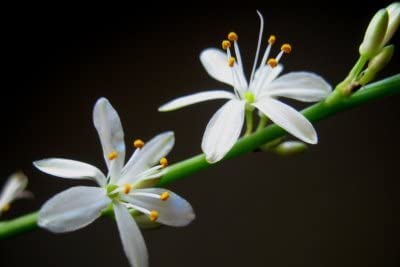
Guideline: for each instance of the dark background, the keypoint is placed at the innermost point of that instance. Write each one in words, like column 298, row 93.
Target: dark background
column 336, row 205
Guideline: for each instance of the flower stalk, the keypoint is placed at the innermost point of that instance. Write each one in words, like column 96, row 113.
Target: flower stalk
column 185, row 168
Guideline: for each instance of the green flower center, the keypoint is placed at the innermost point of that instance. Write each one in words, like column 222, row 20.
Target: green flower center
column 249, row 97
column 110, row 188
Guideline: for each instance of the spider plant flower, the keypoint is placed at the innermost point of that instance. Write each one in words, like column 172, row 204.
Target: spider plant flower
column 260, row 92
column 123, row 187
column 13, row 189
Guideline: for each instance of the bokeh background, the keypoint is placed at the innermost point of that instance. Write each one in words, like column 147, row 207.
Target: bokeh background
column 336, row 205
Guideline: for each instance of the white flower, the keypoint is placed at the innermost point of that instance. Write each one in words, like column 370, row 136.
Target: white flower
column 261, row 92
column 13, row 190
column 122, row 187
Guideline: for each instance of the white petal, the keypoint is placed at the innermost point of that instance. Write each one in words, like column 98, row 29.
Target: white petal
column 288, row 118
column 215, row 62
column 109, row 128
column 132, row 240
column 223, row 130
column 195, row 98
column 148, row 156
column 14, row 186
column 73, row 209
column 175, row 211
column 303, row 86
column 263, row 77
column 66, row 168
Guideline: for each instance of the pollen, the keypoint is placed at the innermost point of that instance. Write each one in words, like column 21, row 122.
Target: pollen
column 6, row 207
column 272, row 62
column 226, row 44
column 153, row 215
column 127, row 188
column 232, row 36
column 164, row 162
column 164, row 196
column 112, row 155
column 138, row 143
column 231, row 61
column 271, row 39
column 286, row 48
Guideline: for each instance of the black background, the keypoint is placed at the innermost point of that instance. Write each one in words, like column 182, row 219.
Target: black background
column 336, row 205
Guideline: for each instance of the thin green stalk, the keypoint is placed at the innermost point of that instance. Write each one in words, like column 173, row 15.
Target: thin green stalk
column 185, row 168
column 262, row 122
column 249, row 122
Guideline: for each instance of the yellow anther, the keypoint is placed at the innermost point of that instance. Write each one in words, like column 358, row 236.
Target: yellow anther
column 271, row 39
column 6, row 207
column 164, row 196
column 287, row 48
column 231, row 61
column 164, row 162
column 127, row 188
column 272, row 62
column 226, row 44
column 138, row 143
column 232, row 36
column 153, row 215
column 112, row 155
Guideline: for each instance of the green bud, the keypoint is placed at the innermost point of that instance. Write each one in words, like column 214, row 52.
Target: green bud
column 376, row 64
column 290, row 148
column 394, row 21
column 373, row 38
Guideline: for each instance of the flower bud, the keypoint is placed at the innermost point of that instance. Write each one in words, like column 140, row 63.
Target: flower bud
column 375, row 34
column 394, row 21
column 377, row 63
column 290, row 148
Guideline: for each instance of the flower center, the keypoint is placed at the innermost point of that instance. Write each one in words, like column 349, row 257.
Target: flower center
column 249, row 97
column 111, row 191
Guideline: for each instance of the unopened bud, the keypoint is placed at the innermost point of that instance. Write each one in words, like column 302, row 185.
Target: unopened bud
column 376, row 64
column 290, row 148
column 394, row 21
column 375, row 34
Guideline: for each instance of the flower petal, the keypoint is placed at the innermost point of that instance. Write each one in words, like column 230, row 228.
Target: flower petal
column 195, row 98
column 14, row 186
column 131, row 237
column 109, row 128
column 174, row 211
column 215, row 62
column 223, row 130
column 148, row 156
column 73, row 209
column 66, row 168
column 288, row 118
column 303, row 86
column 263, row 77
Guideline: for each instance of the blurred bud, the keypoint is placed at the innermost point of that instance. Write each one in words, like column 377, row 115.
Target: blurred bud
column 376, row 64
column 375, row 34
column 290, row 148
column 394, row 21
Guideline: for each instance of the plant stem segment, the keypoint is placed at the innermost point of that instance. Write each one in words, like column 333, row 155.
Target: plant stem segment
column 185, row 168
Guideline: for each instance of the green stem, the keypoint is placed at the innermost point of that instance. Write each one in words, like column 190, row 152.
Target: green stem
column 262, row 122
column 249, row 122
column 185, row 168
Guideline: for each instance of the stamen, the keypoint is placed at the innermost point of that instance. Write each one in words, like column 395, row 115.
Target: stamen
column 226, row 44
column 231, row 61
column 164, row 162
column 272, row 62
column 113, row 155
column 153, row 215
column 164, row 196
column 272, row 39
column 232, row 36
column 138, row 143
column 6, row 207
column 127, row 188
column 286, row 48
